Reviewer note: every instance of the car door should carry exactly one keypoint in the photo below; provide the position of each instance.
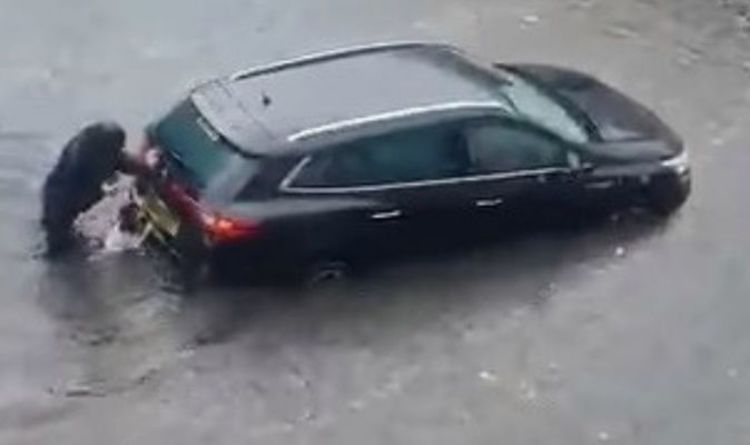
(422, 170)
(520, 174)
(401, 186)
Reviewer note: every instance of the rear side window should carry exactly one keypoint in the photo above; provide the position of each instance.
(414, 155)
(194, 147)
(504, 147)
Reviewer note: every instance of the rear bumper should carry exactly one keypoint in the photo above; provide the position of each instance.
(190, 246)
(184, 242)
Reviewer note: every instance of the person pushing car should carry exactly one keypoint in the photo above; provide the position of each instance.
(74, 185)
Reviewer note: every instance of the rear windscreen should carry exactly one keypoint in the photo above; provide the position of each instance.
(193, 147)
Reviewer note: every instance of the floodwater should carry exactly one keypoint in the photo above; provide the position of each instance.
(627, 332)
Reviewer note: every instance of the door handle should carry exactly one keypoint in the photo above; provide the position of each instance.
(601, 185)
(490, 202)
(391, 214)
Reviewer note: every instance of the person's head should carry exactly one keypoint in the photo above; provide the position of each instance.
(101, 144)
(107, 132)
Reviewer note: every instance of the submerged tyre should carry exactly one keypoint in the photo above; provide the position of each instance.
(325, 273)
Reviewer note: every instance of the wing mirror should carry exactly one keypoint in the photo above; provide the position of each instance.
(579, 166)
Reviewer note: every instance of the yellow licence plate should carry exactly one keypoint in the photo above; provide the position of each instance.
(160, 215)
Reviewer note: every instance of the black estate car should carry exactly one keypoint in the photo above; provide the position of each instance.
(316, 163)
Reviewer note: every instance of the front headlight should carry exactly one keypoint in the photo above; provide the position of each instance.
(679, 163)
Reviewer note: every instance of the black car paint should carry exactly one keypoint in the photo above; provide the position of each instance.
(628, 141)
(613, 116)
(300, 227)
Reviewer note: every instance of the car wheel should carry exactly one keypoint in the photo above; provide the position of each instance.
(666, 197)
(326, 273)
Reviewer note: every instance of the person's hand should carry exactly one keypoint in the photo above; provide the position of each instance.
(110, 186)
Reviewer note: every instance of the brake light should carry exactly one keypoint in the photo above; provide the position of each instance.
(217, 227)
(222, 228)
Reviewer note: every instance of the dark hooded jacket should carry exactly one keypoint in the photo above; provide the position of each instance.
(75, 183)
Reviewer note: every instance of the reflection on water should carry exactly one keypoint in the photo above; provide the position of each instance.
(111, 309)
(112, 306)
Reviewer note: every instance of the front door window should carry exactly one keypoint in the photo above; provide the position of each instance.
(498, 147)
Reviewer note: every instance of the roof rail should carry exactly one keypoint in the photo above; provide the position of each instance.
(391, 115)
(336, 54)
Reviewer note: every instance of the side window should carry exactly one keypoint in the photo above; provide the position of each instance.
(259, 177)
(505, 147)
(414, 155)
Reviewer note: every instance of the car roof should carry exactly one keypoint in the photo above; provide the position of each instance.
(275, 108)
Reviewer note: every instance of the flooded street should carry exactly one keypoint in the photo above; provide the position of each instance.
(629, 332)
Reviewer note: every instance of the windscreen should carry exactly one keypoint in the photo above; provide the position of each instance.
(534, 104)
(527, 100)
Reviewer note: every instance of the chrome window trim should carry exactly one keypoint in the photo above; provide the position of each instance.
(286, 184)
(333, 127)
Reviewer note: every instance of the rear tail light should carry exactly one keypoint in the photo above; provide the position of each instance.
(217, 227)
(222, 228)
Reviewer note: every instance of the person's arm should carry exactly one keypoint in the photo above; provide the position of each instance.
(130, 164)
